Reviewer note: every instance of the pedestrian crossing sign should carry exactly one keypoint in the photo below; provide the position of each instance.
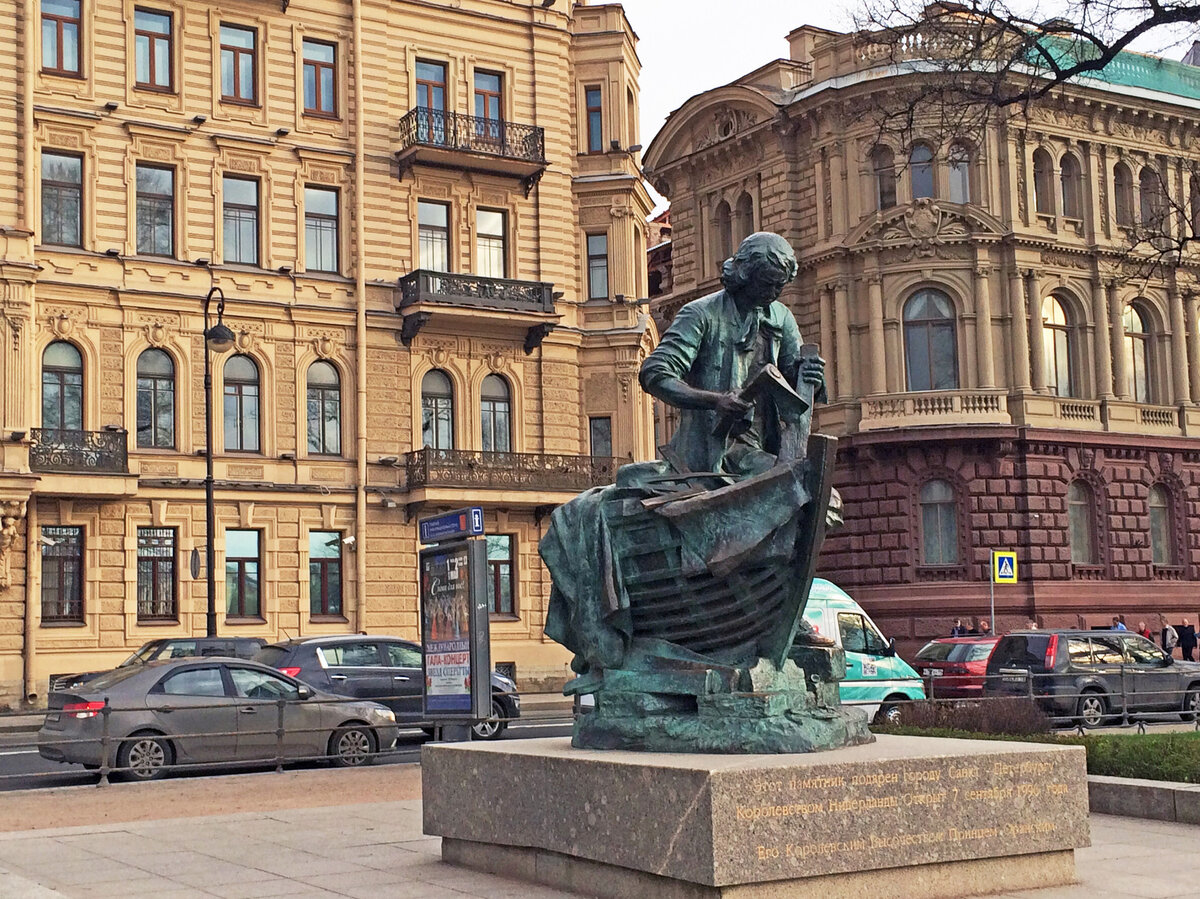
(1004, 567)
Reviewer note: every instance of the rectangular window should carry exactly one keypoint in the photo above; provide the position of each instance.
(240, 211)
(600, 433)
(155, 211)
(320, 78)
(156, 594)
(152, 50)
(242, 596)
(62, 573)
(491, 249)
(325, 573)
(62, 199)
(60, 37)
(597, 260)
(433, 236)
(239, 64)
(489, 108)
(502, 569)
(595, 120)
(321, 229)
(431, 102)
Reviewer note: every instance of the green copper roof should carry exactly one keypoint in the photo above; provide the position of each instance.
(1138, 70)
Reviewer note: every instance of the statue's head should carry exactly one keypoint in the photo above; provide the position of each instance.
(762, 265)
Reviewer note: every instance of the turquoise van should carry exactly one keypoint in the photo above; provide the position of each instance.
(876, 678)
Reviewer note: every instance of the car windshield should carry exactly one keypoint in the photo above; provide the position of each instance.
(977, 652)
(936, 652)
(142, 656)
(110, 678)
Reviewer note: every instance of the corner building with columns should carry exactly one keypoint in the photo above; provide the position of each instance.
(1002, 376)
(427, 223)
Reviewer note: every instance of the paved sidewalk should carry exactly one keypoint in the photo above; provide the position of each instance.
(317, 844)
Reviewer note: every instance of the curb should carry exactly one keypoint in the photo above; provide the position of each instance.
(1153, 799)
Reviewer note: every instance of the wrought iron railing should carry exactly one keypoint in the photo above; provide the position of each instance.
(424, 286)
(58, 449)
(523, 471)
(453, 131)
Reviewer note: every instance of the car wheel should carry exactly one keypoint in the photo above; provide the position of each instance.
(352, 746)
(1092, 708)
(491, 728)
(890, 714)
(1191, 704)
(145, 757)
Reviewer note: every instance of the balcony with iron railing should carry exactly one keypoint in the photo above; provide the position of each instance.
(445, 139)
(78, 452)
(506, 471)
(504, 294)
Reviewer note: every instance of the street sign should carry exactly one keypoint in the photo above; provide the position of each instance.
(452, 525)
(1004, 567)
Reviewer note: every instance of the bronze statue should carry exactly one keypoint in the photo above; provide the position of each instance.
(681, 588)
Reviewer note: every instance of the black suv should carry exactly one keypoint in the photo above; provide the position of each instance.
(1091, 675)
(169, 648)
(383, 669)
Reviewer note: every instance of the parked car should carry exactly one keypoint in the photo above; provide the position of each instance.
(169, 648)
(955, 667)
(169, 713)
(877, 680)
(1091, 675)
(385, 669)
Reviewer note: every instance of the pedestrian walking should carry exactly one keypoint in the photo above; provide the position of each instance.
(1170, 636)
(1144, 631)
(1187, 640)
(959, 629)
(1118, 624)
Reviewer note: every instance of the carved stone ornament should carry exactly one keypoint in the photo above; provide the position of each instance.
(11, 513)
(496, 362)
(724, 124)
(324, 346)
(156, 334)
(244, 341)
(61, 325)
(1087, 458)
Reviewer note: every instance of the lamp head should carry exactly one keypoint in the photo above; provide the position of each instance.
(219, 337)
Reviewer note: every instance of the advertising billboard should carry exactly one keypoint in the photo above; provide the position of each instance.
(454, 631)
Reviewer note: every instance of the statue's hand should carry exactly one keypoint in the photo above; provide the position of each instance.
(812, 370)
(730, 405)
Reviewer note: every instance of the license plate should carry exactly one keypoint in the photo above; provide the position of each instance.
(1011, 676)
(932, 672)
(51, 717)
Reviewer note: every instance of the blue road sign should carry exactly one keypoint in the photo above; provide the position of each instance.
(1004, 567)
(451, 525)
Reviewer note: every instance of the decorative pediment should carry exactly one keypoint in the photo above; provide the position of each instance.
(923, 226)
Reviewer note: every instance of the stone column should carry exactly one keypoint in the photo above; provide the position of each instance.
(1181, 388)
(878, 350)
(1116, 321)
(1101, 342)
(983, 325)
(1020, 331)
(1037, 343)
(845, 364)
(827, 342)
(1192, 323)
(837, 183)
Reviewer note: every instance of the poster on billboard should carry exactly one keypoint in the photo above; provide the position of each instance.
(454, 635)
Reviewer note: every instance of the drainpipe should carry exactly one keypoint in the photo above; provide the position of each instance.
(360, 325)
(29, 645)
(31, 549)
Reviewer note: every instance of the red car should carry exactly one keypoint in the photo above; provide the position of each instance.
(955, 667)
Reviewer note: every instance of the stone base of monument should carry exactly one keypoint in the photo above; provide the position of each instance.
(903, 816)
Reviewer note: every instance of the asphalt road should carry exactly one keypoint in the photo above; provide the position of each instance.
(21, 768)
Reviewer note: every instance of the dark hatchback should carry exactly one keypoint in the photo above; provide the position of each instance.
(168, 648)
(383, 669)
(1089, 676)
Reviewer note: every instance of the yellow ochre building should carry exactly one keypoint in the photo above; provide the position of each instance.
(427, 224)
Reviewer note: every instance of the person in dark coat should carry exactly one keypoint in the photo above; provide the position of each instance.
(1187, 640)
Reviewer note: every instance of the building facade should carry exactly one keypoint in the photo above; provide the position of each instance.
(1002, 373)
(428, 234)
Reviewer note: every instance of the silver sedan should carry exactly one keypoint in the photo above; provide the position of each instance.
(178, 712)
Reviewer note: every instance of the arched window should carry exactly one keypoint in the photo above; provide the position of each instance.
(1043, 189)
(1056, 339)
(724, 232)
(960, 174)
(930, 346)
(1162, 530)
(1139, 356)
(920, 170)
(1152, 198)
(324, 410)
(155, 400)
(939, 524)
(241, 405)
(62, 387)
(437, 410)
(1081, 522)
(745, 217)
(1123, 193)
(1071, 177)
(497, 415)
(883, 164)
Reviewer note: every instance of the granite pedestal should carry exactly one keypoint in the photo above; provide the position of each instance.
(903, 816)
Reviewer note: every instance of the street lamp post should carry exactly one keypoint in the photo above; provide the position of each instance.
(217, 339)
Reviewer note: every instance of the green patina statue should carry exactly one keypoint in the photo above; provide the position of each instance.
(681, 588)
